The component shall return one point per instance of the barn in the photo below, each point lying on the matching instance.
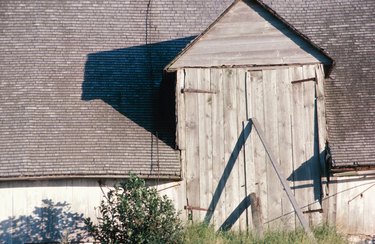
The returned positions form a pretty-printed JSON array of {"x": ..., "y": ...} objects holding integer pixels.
[
  {"x": 248, "y": 85},
  {"x": 248, "y": 125}
]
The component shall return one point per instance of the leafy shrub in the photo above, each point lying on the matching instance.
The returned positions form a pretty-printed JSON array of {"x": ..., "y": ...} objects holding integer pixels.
[{"x": 134, "y": 213}]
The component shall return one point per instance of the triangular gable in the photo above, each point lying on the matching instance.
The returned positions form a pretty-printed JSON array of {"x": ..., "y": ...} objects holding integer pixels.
[{"x": 249, "y": 33}]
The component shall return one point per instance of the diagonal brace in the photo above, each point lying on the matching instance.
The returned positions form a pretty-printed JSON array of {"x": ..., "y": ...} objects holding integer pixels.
[{"x": 283, "y": 181}]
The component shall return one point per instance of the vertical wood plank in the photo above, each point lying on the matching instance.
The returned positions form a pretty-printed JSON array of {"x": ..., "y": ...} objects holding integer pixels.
[
  {"x": 342, "y": 206},
  {"x": 241, "y": 117},
  {"x": 332, "y": 198},
  {"x": 218, "y": 159},
  {"x": 205, "y": 145},
  {"x": 202, "y": 141},
  {"x": 284, "y": 94},
  {"x": 308, "y": 110},
  {"x": 354, "y": 203},
  {"x": 281, "y": 176},
  {"x": 274, "y": 187},
  {"x": 208, "y": 118},
  {"x": 180, "y": 109},
  {"x": 180, "y": 136},
  {"x": 298, "y": 137},
  {"x": 321, "y": 113},
  {"x": 257, "y": 108},
  {"x": 312, "y": 153},
  {"x": 368, "y": 206},
  {"x": 230, "y": 139},
  {"x": 183, "y": 188},
  {"x": 249, "y": 144},
  {"x": 327, "y": 202},
  {"x": 256, "y": 213},
  {"x": 192, "y": 139}
]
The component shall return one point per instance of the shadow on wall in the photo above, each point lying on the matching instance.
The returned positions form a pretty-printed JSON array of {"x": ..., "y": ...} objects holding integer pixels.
[
  {"x": 129, "y": 81},
  {"x": 310, "y": 171},
  {"x": 314, "y": 168},
  {"x": 235, "y": 215},
  {"x": 50, "y": 223}
]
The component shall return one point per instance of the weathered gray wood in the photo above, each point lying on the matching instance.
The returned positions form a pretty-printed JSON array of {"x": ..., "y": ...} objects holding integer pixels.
[
  {"x": 243, "y": 37},
  {"x": 322, "y": 127},
  {"x": 218, "y": 160},
  {"x": 26, "y": 204},
  {"x": 312, "y": 153},
  {"x": 230, "y": 139},
  {"x": 217, "y": 46},
  {"x": 293, "y": 124},
  {"x": 241, "y": 117},
  {"x": 284, "y": 93},
  {"x": 205, "y": 139},
  {"x": 256, "y": 212},
  {"x": 368, "y": 206},
  {"x": 298, "y": 136},
  {"x": 249, "y": 144},
  {"x": 226, "y": 31},
  {"x": 351, "y": 206},
  {"x": 203, "y": 163},
  {"x": 308, "y": 130},
  {"x": 196, "y": 91},
  {"x": 180, "y": 110},
  {"x": 218, "y": 119},
  {"x": 341, "y": 207},
  {"x": 271, "y": 134},
  {"x": 328, "y": 203},
  {"x": 192, "y": 139},
  {"x": 259, "y": 156},
  {"x": 241, "y": 58},
  {"x": 209, "y": 139},
  {"x": 239, "y": 10},
  {"x": 182, "y": 190},
  {"x": 281, "y": 177}
]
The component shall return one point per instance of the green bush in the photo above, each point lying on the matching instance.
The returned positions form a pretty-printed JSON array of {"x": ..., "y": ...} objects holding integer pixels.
[{"x": 134, "y": 213}]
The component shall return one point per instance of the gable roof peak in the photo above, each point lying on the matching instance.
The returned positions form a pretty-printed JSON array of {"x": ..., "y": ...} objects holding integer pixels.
[{"x": 241, "y": 33}]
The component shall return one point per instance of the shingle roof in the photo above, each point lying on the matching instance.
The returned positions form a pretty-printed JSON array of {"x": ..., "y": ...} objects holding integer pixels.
[
  {"x": 57, "y": 64},
  {"x": 79, "y": 85}
]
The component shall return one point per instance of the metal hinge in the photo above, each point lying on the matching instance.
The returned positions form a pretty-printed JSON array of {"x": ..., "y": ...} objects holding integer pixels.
[
  {"x": 196, "y": 91},
  {"x": 304, "y": 80}
]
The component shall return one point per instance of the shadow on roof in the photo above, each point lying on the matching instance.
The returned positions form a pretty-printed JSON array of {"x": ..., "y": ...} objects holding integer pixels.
[{"x": 129, "y": 81}]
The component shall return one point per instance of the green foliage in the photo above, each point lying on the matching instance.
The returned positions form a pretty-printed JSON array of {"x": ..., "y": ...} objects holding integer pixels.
[
  {"x": 201, "y": 233},
  {"x": 328, "y": 234},
  {"x": 134, "y": 213}
]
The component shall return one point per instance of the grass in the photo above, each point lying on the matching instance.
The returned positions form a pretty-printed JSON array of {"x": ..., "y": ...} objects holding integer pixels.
[{"x": 200, "y": 233}]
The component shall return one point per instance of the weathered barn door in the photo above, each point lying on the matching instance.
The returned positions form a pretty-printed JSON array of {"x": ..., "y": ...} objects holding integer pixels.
[
  {"x": 224, "y": 159},
  {"x": 283, "y": 101}
]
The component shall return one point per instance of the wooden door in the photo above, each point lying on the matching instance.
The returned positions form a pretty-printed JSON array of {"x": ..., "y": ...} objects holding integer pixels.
[
  {"x": 224, "y": 160},
  {"x": 287, "y": 112}
]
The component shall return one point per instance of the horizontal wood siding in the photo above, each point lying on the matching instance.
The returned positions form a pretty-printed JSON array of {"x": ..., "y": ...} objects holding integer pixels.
[
  {"x": 50, "y": 210},
  {"x": 354, "y": 204},
  {"x": 247, "y": 34}
]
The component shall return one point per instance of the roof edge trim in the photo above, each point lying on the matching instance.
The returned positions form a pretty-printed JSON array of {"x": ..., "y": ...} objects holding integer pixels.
[{"x": 66, "y": 177}]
